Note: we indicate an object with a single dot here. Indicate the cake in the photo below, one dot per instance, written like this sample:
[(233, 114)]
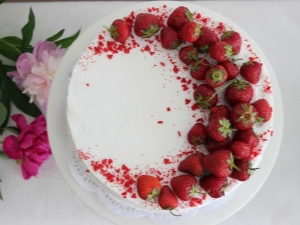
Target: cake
[(130, 106)]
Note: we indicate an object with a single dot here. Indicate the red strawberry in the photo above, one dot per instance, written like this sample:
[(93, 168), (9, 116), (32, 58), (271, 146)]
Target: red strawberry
[(199, 68), (247, 136), (184, 186), (205, 96), (197, 135), (251, 71), (192, 164), (169, 38), (213, 185), (233, 38), (240, 149), (167, 200), (207, 38), (231, 68), (212, 145), (148, 187), (220, 162), (245, 171), (179, 17), (146, 25), (119, 30), (216, 76), (189, 32), (187, 54), (239, 91), (243, 116), (220, 51), (264, 110), (220, 110), (218, 128)]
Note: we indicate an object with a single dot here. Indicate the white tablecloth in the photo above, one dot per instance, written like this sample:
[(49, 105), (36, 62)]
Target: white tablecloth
[(274, 25)]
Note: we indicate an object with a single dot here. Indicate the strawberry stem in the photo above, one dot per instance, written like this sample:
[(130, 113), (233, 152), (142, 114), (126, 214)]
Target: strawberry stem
[(220, 89), (170, 210)]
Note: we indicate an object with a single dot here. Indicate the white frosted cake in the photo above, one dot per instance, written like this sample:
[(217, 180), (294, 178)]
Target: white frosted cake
[(130, 107)]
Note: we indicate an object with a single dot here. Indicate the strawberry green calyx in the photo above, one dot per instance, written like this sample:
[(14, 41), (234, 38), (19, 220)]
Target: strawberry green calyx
[(153, 29), (231, 163), (153, 194), (229, 51), (189, 15), (225, 128), (204, 102), (217, 76), (247, 115), (113, 31), (240, 85), (226, 34)]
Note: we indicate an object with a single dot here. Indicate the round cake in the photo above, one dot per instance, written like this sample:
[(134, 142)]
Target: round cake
[(131, 105)]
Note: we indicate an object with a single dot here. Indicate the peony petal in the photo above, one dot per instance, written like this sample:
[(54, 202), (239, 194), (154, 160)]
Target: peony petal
[(11, 147), (29, 168), (24, 64), (20, 121), (41, 47), (27, 141)]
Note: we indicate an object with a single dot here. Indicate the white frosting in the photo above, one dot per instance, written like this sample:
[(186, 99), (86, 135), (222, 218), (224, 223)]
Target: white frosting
[(132, 109)]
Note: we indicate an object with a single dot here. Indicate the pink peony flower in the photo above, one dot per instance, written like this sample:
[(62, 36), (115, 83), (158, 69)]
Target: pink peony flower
[(31, 148), (36, 70)]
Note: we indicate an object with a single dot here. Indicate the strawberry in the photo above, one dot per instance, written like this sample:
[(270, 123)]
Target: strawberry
[(220, 162), (214, 186), (192, 164), (148, 187), (238, 91), (195, 201), (264, 110), (231, 68), (167, 200), (220, 51), (119, 30), (216, 76), (218, 128), (240, 149), (207, 38), (205, 96), (212, 145), (243, 116), (199, 68), (179, 17), (184, 186), (169, 38), (245, 171), (220, 110), (189, 32), (233, 38), (247, 136), (187, 54), (146, 25), (251, 71), (197, 135)]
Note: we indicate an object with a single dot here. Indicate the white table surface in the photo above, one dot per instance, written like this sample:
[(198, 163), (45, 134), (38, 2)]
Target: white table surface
[(274, 25)]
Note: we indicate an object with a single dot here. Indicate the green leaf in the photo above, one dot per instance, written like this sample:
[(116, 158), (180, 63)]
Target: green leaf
[(8, 50), (66, 42), (20, 100), (1, 1), (56, 36), (3, 113), (13, 40), (12, 129), (27, 30), (3, 155)]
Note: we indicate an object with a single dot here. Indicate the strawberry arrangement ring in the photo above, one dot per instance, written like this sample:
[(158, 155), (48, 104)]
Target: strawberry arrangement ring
[(189, 104)]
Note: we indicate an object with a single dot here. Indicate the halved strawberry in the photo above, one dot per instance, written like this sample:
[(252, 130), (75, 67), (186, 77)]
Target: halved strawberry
[(192, 164), (148, 187)]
